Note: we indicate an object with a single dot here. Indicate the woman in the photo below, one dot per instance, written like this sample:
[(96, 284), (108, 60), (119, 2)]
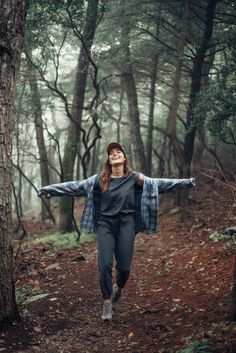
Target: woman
[(120, 203)]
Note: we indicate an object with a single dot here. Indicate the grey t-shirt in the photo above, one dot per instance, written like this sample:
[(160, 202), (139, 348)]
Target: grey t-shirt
[(119, 198)]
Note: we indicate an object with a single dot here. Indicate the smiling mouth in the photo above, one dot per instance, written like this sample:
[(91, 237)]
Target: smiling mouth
[(116, 159)]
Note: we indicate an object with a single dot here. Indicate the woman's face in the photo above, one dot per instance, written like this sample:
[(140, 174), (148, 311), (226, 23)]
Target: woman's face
[(116, 157)]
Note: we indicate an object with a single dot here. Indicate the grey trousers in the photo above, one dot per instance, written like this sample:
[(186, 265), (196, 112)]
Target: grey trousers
[(116, 237)]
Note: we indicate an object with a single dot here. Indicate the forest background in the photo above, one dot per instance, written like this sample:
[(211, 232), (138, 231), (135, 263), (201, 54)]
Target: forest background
[(157, 76)]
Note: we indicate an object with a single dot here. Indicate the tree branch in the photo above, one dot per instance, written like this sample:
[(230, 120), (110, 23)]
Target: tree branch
[(30, 182)]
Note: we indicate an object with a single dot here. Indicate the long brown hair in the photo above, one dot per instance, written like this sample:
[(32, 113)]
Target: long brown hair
[(106, 173)]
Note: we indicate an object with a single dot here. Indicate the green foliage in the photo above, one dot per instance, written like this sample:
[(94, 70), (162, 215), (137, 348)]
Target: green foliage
[(54, 11), (176, 307), (53, 30), (23, 293), (216, 104), (228, 236), (203, 346), (27, 294), (66, 241)]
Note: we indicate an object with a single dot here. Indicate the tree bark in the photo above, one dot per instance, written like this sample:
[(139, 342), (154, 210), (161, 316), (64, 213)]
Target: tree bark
[(73, 137), (154, 66), (197, 70), (196, 78), (201, 130), (233, 316), (18, 160), (151, 113), (132, 97), (38, 123), (12, 20), (121, 111), (172, 116)]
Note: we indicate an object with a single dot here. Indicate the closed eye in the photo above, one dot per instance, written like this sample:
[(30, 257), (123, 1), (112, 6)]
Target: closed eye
[(112, 154)]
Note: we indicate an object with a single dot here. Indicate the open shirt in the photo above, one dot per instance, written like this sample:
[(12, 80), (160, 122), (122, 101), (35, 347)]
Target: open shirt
[(146, 199)]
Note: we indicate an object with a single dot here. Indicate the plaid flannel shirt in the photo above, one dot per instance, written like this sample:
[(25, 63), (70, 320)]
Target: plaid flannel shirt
[(146, 199)]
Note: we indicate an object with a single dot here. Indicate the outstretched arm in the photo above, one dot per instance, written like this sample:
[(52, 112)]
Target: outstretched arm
[(70, 188), (166, 185)]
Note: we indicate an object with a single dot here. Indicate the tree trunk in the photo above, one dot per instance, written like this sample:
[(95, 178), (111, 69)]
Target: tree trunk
[(38, 123), (54, 152), (233, 316), (121, 111), (12, 20), (172, 116), (94, 164), (201, 133), (196, 77), (73, 137), (197, 70), (154, 65), (18, 160), (132, 97), (151, 114)]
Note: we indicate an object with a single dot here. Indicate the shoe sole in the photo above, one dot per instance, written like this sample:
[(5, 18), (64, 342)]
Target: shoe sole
[(109, 320)]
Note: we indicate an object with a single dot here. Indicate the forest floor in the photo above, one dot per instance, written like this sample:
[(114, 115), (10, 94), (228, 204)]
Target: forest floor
[(178, 295)]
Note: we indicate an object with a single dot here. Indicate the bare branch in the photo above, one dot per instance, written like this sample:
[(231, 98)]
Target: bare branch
[(146, 31), (211, 174), (34, 187)]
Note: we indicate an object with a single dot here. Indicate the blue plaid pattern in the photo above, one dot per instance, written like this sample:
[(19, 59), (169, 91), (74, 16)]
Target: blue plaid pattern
[(146, 199)]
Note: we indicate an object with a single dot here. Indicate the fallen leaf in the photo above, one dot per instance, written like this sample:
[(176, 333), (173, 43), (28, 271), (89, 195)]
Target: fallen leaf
[(37, 329), (35, 298)]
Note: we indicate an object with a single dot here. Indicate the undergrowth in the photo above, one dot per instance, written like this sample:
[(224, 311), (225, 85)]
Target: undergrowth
[(202, 346), (228, 236), (66, 240)]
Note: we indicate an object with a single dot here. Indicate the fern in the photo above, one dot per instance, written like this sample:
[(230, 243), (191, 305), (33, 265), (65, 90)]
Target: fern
[(203, 346)]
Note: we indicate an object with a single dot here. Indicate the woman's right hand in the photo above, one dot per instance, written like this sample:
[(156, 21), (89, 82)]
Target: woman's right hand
[(44, 193)]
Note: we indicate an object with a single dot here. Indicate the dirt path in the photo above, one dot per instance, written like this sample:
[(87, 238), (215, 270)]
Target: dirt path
[(179, 292)]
